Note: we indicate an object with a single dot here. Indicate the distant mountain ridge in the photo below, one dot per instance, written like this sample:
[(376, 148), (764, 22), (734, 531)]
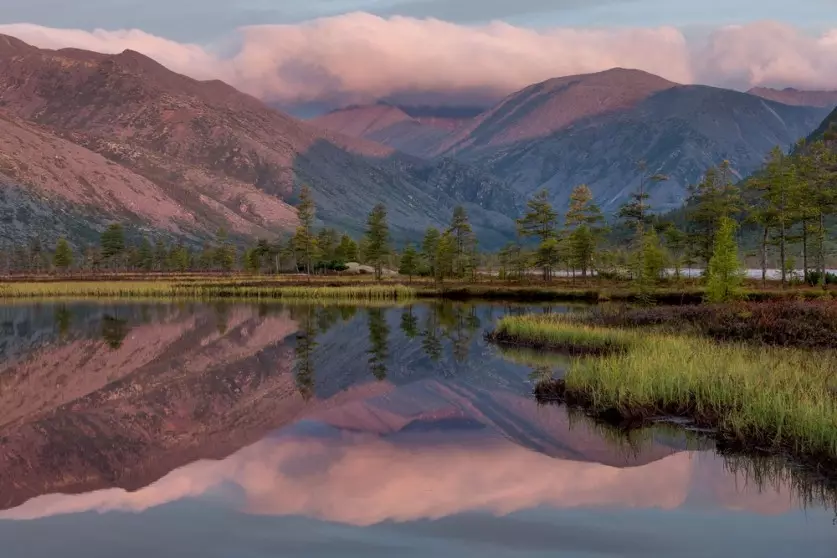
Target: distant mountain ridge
[(594, 129), (223, 157), (791, 96)]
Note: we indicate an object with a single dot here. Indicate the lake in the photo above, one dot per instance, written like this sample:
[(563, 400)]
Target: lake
[(245, 431)]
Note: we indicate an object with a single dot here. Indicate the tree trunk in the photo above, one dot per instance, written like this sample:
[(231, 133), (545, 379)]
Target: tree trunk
[(805, 250), (782, 254), (821, 249), (764, 256)]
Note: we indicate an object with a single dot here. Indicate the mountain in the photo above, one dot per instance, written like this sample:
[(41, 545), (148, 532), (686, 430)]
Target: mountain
[(828, 128), (51, 184), (545, 108), (223, 157), (791, 96), (679, 131), (388, 125)]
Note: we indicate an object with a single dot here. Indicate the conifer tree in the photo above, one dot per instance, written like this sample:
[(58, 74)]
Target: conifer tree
[(409, 262), (304, 237), (464, 241), (724, 274), (63, 257), (429, 249), (540, 221), (583, 223), (113, 242), (377, 239)]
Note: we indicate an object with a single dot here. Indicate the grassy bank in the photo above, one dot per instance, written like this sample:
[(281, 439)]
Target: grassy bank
[(201, 290), (792, 323), (781, 399), (364, 287)]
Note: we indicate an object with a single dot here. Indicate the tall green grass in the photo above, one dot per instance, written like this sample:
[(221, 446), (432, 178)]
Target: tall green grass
[(776, 396)]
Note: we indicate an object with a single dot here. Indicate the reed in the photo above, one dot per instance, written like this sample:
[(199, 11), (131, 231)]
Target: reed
[(782, 398), (201, 290)]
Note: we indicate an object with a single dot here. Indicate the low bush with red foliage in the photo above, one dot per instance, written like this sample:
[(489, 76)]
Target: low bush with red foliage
[(806, 324)]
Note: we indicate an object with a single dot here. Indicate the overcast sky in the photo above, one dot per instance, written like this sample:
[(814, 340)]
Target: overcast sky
[(336, 52), (203, 20)]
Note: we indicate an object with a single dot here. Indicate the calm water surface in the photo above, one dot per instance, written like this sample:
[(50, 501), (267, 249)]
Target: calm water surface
[(258, 431)]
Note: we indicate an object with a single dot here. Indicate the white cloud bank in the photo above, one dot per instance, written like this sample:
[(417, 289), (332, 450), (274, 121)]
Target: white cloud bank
[(360, 57)]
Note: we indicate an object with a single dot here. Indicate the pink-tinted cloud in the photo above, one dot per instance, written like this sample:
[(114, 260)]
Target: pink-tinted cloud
[(327, 479), (360, 57)]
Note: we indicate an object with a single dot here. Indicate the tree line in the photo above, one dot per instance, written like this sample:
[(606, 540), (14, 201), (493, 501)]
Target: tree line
[(788, 205)]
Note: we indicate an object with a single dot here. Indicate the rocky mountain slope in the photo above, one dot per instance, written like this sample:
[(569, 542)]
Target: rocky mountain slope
[(223, 157), (829, 124), (679, 132), (545, 108), (595, 128), (791, 96), (385, 124)]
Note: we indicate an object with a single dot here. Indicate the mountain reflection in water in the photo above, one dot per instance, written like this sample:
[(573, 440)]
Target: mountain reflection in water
[(354, 416)]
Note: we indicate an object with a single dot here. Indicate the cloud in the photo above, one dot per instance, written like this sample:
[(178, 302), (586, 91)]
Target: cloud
[(359, 57), (325, 479)]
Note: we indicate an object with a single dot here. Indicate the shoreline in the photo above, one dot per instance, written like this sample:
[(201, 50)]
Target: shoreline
[(776, 400)]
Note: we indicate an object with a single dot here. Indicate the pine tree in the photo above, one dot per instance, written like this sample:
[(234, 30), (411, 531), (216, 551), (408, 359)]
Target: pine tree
[(379, 341), (548, 256), (145, 256), (445, 258), (160, 255), (346, 250), (224, 254), (63, 257), (818, 173), (781, 189), (429, 249), (709, 201), (377, 239), (724, 274), (584, 224), (327, 242), (464, 241), (409, 262), (304, 239), (113, 242), (540, 219), (676, 242)]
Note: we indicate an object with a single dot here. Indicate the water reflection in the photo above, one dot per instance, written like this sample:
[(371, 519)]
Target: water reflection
[(378, 337), (352, 415)]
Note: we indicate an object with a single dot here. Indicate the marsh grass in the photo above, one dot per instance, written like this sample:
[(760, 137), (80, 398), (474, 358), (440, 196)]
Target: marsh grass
[(201, 290), (558, 332), (777, 398)]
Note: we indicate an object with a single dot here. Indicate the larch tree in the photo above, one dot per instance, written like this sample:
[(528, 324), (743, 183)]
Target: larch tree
[(818, 174), (584, 225), (724, 273), (429, 249), (540, 221), (63, 257), (709, 201), (464, 241), (304, 242), (781, 194), (409, 262), (377, 239)]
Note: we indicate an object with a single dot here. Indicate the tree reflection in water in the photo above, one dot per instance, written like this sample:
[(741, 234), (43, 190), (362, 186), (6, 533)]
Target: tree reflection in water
[(379, 342)]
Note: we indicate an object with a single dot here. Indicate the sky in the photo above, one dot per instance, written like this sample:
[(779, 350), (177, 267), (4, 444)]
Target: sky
[(333, 52)]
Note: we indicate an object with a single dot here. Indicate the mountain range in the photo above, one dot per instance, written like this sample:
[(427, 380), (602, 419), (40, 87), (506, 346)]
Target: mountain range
[(89, 138)]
